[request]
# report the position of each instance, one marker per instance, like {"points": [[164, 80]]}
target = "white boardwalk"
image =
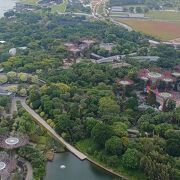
{"points": [[43, 123]]}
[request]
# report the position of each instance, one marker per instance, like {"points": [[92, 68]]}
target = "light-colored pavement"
{"points": [[13, 106], [43, 123], [29, 175], [129, 28]]}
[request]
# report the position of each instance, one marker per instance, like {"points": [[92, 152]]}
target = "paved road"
{"points": [[43, 123], [129, 28], [96, 15]]}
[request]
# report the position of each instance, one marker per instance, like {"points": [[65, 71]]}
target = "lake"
{"points": [[6, 5], [74, 169]]}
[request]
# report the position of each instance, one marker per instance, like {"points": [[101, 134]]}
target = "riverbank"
{"points": [[84, 145]]}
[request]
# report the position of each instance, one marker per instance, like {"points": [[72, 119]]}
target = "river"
{"points": [[74, 169], [6, 5]]}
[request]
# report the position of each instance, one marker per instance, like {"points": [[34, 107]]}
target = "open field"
{"points": [[164, 15], [60, 7], [29, 1], [159, 29]]}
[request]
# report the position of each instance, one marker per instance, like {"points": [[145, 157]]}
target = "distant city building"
{"points": [[117, 9]]}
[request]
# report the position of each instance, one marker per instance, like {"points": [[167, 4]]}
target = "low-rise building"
{"points": [[107, 46], [117, 9], [136, 15]]}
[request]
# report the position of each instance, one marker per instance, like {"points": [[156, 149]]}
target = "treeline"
{"points": [[88, 111], [44, 37]]}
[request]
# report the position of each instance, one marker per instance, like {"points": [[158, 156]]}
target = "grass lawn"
{"points": [[38, 139], [164, 15], [30, 1], [159, 29], [131, 175], [60, 7]]}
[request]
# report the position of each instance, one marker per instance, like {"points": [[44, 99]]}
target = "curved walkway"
{"points": [[43, 123], [29, 175]]}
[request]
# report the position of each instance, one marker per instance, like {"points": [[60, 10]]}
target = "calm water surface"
{"points": [[75, 169], [6, 5]]}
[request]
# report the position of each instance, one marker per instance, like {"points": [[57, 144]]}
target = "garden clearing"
{"points": [[161, 30], [60, 7]]}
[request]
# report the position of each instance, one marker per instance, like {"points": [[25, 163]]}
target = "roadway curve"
{"points": [[129, 28]]}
